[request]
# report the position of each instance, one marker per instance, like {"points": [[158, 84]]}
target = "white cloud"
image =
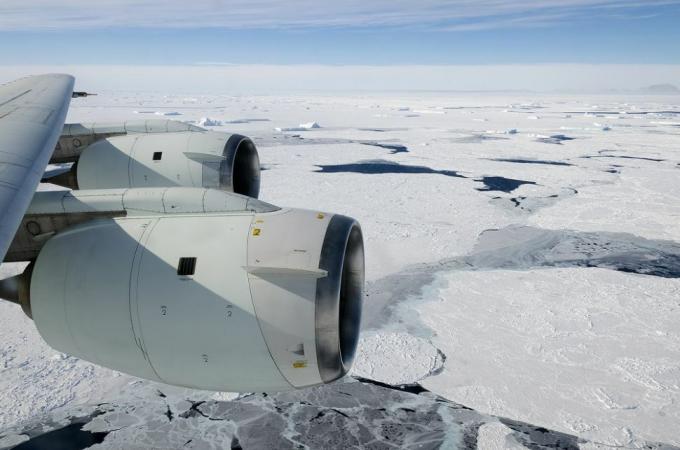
{"points": [[276, 79], [440, 14]]}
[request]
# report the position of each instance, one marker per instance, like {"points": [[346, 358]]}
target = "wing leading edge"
{"points": [[32, 114]]}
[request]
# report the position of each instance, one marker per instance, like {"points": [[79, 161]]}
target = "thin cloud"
{"points": [[532, 21], [453, 15]]}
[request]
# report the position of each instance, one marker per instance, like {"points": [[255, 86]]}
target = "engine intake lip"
{"points": [[339, 298], [240, 170]]}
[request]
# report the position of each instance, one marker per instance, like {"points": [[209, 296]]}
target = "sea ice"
{"points": [[302, 127], [396, 358], [530, 332], [208, 122]]}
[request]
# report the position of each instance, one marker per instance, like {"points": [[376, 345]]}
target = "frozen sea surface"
{"points": [[352, 414], [531, 274]]}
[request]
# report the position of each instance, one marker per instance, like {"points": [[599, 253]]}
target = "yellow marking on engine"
{"points": [[320, 216], [259, 221], [256, 231], [299, 364]]}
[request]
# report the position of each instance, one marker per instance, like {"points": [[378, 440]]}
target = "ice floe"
{"points": [[302, 127], [208, 122]]}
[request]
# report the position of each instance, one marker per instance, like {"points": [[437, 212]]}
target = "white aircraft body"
{"points": [[160, 262]]}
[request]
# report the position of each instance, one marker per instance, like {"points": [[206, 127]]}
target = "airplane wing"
{"points": [[32, 114]]}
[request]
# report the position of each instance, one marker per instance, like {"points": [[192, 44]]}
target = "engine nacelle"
{"points": [[190, 158], [259, 299], [75, 137]]}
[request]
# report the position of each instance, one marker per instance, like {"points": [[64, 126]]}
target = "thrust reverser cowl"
{"points": [[260, 300], [325, 262]]}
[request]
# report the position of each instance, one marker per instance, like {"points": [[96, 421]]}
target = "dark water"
{"points": [[555, 139], [478, 139], [381, 166], [539, 437], [395, 148], [237, 121], [532, 161], [382, 130], [501, 184], [641, 158], [70, 437], [360, 413]]}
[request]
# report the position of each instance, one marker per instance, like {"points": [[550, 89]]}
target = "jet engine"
{"points": [[198, 287], [188, 158]]}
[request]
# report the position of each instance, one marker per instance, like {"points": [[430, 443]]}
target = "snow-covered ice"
{"points": [[208, 122], [377, 351], [302, 127], [533, 276]]}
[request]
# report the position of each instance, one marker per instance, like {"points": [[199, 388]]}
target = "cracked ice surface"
{"points": [[397, 358], [354, 414], [601, 352]]}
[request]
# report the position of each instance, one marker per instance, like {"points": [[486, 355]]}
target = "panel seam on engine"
{"points": [[139, 250]]}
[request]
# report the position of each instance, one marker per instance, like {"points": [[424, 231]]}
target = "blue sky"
{"points": [[349, 32]]}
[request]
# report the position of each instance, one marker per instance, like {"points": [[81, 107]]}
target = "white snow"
{"points": [[310, 125], [508, 131], [429, 111], [595, 350], [379, 358], [208, 122], [302, 127], [159, 113], [494, 436]]}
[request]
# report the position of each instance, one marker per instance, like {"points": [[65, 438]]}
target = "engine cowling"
{"points": [[264, 299], [191, 158], [76, 137]]}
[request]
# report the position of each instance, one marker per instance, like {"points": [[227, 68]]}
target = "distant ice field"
{"points": [[522, 250]]}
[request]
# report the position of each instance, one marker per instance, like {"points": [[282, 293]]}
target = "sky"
{"points": [[357, 33]]}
